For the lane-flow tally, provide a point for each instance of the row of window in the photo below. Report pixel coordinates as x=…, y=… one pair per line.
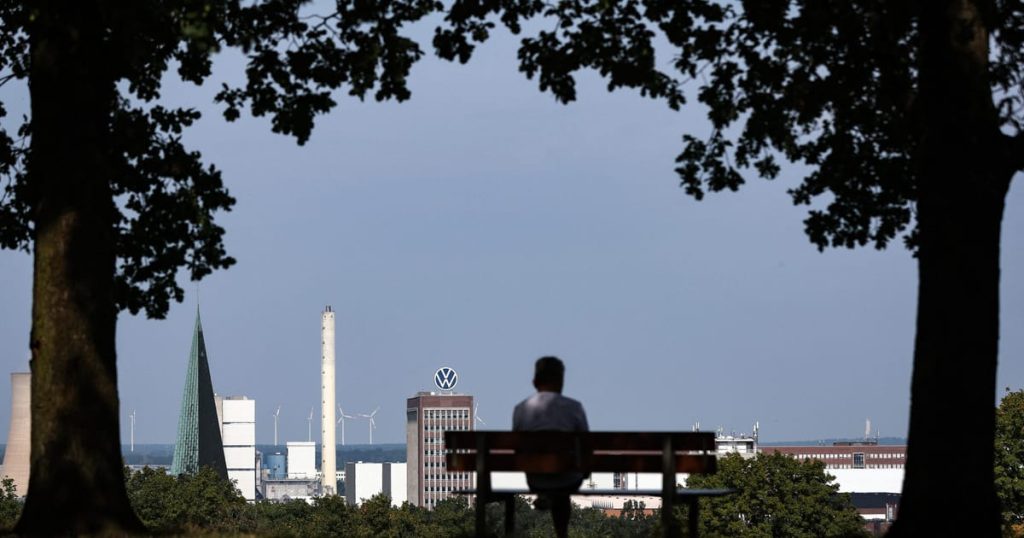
x=457, y=427
x=446, y=413
x=446, y=476
x=873, y=456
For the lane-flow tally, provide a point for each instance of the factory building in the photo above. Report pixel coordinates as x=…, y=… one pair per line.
x=365, y=480
x=302, y=460
x=17, y=456
x=859, y=466
x=292, y=475
x=198, y=443
x=239, y=431
x=428, y=416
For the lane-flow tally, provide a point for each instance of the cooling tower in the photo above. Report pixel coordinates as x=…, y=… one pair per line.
x=328, y=465
x=19, y=437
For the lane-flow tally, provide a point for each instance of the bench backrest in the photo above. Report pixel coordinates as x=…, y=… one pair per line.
x=557, y=452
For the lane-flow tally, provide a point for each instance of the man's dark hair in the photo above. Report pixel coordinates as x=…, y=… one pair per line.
x=549, y=371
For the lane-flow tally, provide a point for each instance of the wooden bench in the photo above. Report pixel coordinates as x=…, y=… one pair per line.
x=667, y=453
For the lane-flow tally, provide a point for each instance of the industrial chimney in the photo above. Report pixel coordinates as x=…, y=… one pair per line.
x=19, y=436
x=328, y=465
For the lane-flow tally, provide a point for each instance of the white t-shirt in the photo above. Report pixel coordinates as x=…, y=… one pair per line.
x=550, y=411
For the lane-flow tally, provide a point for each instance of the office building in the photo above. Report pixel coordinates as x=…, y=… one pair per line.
x=428, y=416
x=198, y=442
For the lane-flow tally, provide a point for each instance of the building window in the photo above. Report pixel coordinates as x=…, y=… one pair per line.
x=858, y=460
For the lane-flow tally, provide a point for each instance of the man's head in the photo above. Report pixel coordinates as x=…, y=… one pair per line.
x=549, y=374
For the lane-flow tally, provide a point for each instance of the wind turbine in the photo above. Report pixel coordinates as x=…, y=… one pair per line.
x=341, y=420
x=132, y=417
x=372, y=423
x=276, y=414
x=476, y=414
x=310, y=421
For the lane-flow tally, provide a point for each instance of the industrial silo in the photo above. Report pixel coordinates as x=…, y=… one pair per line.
x=275, y=465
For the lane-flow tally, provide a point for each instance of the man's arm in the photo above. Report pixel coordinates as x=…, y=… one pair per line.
x=582, y=418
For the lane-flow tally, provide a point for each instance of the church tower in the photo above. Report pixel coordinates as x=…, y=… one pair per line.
x=198, y=443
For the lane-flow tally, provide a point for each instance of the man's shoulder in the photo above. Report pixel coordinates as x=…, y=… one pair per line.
x=570, y=401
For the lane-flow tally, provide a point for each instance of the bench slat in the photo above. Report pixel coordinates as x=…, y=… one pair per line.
x=681, y=493
x=554, y=441
x=600, y=462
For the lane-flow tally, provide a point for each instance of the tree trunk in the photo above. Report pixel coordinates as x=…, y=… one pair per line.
x=949, y=486
x=76, y=484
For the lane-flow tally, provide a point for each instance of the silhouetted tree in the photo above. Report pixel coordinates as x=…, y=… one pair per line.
x=908, y=116
x=99, y=188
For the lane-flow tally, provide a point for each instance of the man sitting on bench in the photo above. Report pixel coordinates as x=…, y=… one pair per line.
x=549, y=410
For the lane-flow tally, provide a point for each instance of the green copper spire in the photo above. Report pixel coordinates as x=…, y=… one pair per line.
x=198, y=444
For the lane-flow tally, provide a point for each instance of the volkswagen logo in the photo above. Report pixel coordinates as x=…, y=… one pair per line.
x=446, y=378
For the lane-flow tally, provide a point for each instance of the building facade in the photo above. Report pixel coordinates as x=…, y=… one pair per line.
x=428, y=416
x=239, y=432
x=847, y=454
x=301, y=460
x=365, y=480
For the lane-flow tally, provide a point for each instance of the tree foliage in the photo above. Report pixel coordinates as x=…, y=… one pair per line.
x=828, y=84
x=776, y=496
x=207, y=504
x=10, y=505
x=1009, y=467
x=166, y=503
x=165, y=197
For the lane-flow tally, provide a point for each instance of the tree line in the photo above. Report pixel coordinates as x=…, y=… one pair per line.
x=779, y=496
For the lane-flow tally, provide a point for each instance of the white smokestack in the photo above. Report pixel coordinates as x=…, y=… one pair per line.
x=328, y=465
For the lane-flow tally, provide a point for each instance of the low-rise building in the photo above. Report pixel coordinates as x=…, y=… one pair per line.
x=365, y=480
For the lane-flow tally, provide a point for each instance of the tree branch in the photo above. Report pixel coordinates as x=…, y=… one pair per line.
x=1015, y=151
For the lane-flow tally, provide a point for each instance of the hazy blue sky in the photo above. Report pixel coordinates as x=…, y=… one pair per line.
x=481, y=225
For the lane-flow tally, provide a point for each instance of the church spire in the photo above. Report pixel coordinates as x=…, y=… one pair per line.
x=198, y=443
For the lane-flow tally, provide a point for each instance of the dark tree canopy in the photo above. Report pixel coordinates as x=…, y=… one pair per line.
x=165, y=196
x=829, y=84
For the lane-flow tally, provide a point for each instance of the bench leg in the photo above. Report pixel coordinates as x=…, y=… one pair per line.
x=510, y=515
x=668, y=523
x=481, y=516
x=694, y=517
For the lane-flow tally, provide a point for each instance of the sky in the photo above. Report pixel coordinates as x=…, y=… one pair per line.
x=481, y=225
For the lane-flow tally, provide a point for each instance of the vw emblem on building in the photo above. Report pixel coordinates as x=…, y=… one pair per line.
x=446, y=378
